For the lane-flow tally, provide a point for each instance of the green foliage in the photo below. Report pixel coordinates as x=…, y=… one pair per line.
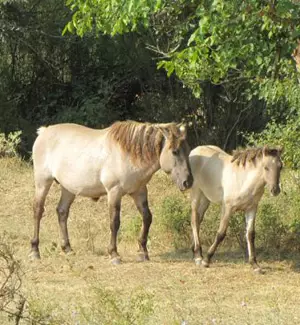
x=131, y=228
x=174, y=216
x=283, y=134
x=110, y=16
x=271, y=230
x=9, y=144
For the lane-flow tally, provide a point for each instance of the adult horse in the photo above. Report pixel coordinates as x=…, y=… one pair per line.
x=118, y=160
x=237, y=182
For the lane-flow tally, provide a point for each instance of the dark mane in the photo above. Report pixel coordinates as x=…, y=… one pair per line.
x=241, y=157
x=144, y=141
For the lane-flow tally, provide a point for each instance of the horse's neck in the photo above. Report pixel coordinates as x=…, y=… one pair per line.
x=149, y=169
x=254, y=178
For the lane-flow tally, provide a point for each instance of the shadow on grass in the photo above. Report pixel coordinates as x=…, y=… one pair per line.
x=236, y=256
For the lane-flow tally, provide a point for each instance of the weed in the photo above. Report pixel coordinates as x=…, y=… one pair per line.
x=9, y=144
x=109, y=307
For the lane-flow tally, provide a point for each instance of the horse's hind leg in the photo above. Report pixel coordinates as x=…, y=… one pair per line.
x=114, y=205
x=141, y=201
x=62, y=210
x=199, y=206
x=42, y=187
x=226, y=213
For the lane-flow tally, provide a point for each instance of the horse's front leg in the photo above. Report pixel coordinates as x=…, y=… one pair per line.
x=114, y=205
x=250, y=237
x=141, y=201
x=226, y=213
x=199, y=204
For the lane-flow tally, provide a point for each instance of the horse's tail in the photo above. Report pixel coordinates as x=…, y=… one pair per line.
x=41, y=130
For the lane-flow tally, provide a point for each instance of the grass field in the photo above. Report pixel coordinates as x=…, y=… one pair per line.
x=86, y=289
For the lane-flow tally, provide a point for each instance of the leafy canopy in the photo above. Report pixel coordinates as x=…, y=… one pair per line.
x=221, y=40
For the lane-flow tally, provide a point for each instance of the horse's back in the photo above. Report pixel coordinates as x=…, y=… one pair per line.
x=208, y=164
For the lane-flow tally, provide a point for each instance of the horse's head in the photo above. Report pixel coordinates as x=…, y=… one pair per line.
x=174, y=157
x=272, y=166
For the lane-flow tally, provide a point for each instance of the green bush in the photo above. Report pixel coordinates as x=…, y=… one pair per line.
x=131, y=228
x=285, y=134
x=271, y=230
x=174, y=216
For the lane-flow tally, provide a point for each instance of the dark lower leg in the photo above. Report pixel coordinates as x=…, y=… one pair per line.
x=219, y=238
x=62, y=210
x=38, y=213
x=114, y=212
x=147, y=220
x=62, y=220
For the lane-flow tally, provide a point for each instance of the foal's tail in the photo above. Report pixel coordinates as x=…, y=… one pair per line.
x=41, y=130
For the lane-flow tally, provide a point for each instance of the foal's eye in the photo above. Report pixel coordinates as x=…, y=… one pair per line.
x=266, y=168
x=175, y=152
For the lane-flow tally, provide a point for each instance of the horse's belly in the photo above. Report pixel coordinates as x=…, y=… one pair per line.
x=85, y=185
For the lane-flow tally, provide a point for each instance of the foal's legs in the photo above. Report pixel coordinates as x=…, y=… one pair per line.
x=114, y=205
x=199, y=206
x=42, y=187
x=141, y=202
x=226, y=213
x=250, y=236
x=63, y=207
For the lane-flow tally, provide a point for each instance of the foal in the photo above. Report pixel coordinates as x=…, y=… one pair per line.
x=237, y=182
x=116, y=161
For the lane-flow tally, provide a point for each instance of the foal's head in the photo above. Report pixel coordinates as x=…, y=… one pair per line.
x=174, y=157
x=272, y=166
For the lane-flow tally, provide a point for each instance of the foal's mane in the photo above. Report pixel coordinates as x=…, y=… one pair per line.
x=144, y=141
x=241, y=157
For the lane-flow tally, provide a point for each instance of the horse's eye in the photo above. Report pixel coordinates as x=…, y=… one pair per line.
x=266, y=168
x=175, y=152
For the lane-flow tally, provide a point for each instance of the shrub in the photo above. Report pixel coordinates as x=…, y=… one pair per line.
x=11, y=299
x=9, y=144
x=175, y=215
x=131, y=228
x=270, y=229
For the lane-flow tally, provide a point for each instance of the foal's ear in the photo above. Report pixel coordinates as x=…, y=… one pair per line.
x=280, y=150
x=182, y=129
x=265, y=150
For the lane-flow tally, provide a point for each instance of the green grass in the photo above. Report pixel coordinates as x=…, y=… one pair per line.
x=87, y=289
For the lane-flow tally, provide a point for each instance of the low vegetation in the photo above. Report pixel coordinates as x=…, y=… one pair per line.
x=85, y=289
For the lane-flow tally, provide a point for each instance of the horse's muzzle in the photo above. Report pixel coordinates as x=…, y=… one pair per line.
x=188, y=183
x=275, y=190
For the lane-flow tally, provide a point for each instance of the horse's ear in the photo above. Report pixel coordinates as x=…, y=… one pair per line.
x=265, y=150
x=280, y=150
x=182, y=129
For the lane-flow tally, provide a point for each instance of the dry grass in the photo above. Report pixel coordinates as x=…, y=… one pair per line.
x=64, y=286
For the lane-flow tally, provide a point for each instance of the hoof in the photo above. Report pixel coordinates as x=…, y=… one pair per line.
x=67, y=252
x=34, y=255
x=142, y=257
x=70, y=252
x=198, y=261
x=205, y=264
x=115, y=261
x=258, y=270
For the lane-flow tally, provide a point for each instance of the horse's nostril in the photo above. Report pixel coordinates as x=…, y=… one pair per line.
x=188, y=182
